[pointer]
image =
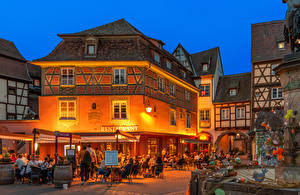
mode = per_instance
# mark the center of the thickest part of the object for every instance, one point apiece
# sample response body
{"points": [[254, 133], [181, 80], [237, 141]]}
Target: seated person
{"points": [[136, 167], [125, 173], [19, 164], [46, 170], [32, 163], [102, 171]]}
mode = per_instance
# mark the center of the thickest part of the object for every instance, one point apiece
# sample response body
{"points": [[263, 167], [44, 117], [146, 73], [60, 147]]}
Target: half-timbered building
{"points": [[232, 113], [207, 68], [268, 48], [114, 77], [14, 82]]}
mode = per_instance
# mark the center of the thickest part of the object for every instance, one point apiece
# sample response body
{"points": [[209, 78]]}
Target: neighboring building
{"points": [[207, 68], [268, 48], [34, 72], [102, 79], [14, 82], [232, 113]]}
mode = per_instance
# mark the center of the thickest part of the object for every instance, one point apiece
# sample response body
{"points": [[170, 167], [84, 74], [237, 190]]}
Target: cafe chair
{"points": [[35, 175]]}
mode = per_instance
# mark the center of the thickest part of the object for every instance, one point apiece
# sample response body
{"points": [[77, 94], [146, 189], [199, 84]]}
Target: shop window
{"points": [[161, 84], [120, 76], [240, 113], [204, 90], [67, 110], [153, 144], [188, 120], [67, 76], [204, 115], [276, 93], [173, 117], [120, 109], [225, 113]]}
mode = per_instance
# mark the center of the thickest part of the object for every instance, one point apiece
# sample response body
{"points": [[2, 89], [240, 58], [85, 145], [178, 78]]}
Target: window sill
{"points": [[280, 98], [67, 119], [119, 119], [67, 85], [119, 85], [90, 56]]}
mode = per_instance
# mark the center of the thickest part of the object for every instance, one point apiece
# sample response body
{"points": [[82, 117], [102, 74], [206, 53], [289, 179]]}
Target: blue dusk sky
{"points": [[196, 24]]}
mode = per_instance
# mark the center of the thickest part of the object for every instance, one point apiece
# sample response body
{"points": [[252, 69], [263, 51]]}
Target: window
{"points": [[187, 96], [240, 113], [281, 45], [204, 115], [232, 92], [188, 120], [169, 65], [153, 146], [119, 76], [172, 89], [276, 93], [11, 116], [11, 91], [120, 109], [205, 67], [204, 90], [67, 110], [156, 58], [272, 69], [181, 115], [160, 84], [36, 82], [67, 76], [183, 74], [225, 114], [91, 50], [173, 118]]}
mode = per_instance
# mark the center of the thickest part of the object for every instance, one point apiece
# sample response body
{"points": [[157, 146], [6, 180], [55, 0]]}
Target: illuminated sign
{"points": [[112, 128]]}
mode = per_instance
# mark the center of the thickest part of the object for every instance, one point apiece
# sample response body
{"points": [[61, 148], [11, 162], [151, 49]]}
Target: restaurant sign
{"points": [[113, 128]]}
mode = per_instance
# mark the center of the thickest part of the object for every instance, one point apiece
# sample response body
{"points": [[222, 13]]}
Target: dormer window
{"points": [[232, 92], [281, 45], [156, 58], [91, 50], [205, 67]]}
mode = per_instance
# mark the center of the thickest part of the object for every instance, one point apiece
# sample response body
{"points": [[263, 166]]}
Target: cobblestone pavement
{"points": [[173, 183]]}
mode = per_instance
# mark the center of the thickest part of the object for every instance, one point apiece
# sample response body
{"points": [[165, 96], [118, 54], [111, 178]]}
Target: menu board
{"points": [[111, 157]]}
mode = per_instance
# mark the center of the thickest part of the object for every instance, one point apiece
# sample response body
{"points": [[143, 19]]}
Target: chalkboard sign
{"points": [[111, 158]]}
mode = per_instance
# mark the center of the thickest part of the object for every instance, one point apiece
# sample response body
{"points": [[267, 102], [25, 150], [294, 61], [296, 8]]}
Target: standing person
{"points": [[93, 160], [82, 165], [19, 164]]}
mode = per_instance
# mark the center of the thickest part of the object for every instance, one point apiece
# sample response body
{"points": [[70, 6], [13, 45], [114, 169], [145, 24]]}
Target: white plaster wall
{"points": [[12, 99], [11, 108], [12, 83], [2, 112], [3, 90]]}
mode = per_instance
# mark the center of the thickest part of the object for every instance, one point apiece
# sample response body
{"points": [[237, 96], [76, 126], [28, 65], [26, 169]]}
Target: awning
{"points": [[46, 136], [194, 141], [15, 136], [88, 139]]}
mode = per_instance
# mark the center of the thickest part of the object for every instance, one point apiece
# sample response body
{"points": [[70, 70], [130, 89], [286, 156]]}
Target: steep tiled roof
{"points": [[209, 56], [9, 49], [119, 27], [241, 82], [265, 39], [34, 70]]}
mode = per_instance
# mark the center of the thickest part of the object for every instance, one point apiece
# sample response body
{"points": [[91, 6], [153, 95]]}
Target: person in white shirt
{"points": [[19, 162], [32, 162]]}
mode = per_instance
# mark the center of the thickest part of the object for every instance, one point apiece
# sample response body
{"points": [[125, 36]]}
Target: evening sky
{"points": [[196, 24]]}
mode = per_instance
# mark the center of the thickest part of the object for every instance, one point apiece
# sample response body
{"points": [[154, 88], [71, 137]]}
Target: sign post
{"points": [[111, 159]]}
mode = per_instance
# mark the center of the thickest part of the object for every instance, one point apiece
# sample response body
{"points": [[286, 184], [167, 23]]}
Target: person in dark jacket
{"points": [[127, 169], [159, 165], [85, 166]]}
